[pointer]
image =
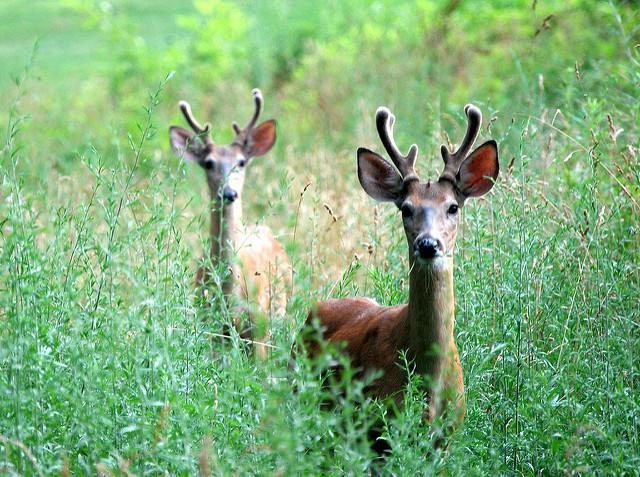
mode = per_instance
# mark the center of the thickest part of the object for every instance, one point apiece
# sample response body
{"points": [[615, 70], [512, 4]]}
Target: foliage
{"points": [[109, 363]]}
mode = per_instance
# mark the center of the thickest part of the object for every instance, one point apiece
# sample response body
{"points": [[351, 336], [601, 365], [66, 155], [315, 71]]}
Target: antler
{"points": [[404, 164], [243, 134], [201, 132], [453, 160]]}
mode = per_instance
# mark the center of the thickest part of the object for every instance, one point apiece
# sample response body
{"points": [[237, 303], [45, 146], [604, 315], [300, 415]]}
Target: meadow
{"points": [[111, 365]]}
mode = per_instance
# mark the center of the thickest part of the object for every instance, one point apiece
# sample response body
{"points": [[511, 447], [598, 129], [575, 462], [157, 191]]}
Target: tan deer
{"points": [[255, 269], [376, 336]]}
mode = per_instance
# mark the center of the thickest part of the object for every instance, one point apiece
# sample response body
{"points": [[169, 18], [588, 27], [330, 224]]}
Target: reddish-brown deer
{"points": [[375, 337], [255, 269]]}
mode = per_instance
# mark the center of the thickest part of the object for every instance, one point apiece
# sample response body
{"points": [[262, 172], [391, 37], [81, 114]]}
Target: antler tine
{"points": [[257, 98], [202, 132], [405, 164], [453, 160], [241, 134]]}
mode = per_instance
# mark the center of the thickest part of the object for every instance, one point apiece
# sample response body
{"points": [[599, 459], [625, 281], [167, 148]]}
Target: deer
{"points": [[377, 339], [253, 264]]}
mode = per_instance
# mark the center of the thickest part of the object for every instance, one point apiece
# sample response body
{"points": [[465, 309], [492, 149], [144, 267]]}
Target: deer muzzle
{"points": [[229, 194], [427, 248]]}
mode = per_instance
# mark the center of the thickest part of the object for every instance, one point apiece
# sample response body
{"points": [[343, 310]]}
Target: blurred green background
{"points": [[107, 361]]}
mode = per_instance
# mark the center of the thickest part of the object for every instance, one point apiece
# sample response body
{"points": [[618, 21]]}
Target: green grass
{"points": [[109, 364], [67, 46]]}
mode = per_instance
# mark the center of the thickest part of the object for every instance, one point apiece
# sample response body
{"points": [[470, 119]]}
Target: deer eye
{"points": [[208, 164], [242, 163], [453, 209], [407, 210]]}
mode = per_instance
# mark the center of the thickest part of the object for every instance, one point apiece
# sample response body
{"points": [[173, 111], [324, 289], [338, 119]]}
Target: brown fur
{"points": [[375, 337], [255, 268], [260, 276]]}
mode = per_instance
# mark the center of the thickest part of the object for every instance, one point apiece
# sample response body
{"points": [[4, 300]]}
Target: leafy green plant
{"points": [[110, 364]]}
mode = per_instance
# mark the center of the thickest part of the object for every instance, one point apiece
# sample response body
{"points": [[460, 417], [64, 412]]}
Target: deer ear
{"points": [[377, 177], [261, 139], [479, 171], [184, 144]]}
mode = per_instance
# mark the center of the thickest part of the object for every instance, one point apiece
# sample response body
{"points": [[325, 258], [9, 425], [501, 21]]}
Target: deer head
{"points": [[429, 210], [224, 165]]}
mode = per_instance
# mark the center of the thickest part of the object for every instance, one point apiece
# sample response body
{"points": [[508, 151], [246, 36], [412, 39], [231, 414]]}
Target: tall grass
{"points": [[109, 364]]}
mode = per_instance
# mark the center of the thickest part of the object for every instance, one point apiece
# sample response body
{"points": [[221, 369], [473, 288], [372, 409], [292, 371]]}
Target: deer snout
{"points": [[427, 248], [229, 194]]}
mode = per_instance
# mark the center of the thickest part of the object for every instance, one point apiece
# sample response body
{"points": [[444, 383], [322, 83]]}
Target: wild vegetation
{"points": [[110, 363]]}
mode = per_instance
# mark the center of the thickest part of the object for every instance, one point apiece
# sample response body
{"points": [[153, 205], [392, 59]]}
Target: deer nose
{"points": [[228, 194], [427, 248]]}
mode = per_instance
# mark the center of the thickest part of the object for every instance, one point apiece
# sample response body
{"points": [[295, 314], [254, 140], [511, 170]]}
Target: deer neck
{"points": [[225, 228], [431, 315]]}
